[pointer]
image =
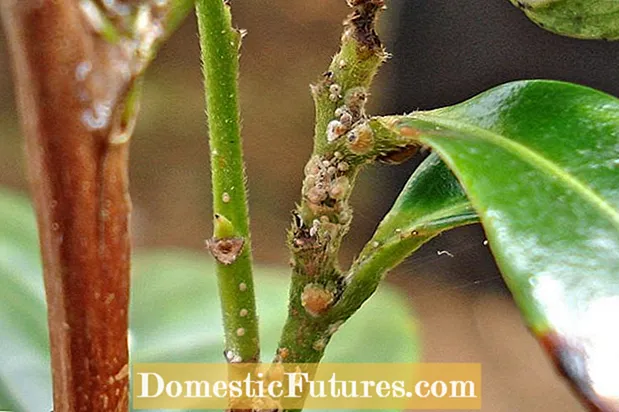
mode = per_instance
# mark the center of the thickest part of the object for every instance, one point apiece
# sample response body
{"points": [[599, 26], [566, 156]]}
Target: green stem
{"points": [[322, 296], [231, 242], [324, 214]]}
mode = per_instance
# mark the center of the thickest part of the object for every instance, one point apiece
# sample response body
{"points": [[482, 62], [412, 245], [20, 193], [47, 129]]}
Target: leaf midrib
{"points": [[528, 156], [458, 209]]}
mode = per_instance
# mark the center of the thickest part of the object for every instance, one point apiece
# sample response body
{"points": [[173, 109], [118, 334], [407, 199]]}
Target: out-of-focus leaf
{"points": [[585, 19], [175, 314], [25, 377], [539, 161]]}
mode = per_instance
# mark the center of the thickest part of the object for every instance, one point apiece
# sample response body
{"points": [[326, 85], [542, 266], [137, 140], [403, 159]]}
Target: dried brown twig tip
{"points": [[362, 21]]}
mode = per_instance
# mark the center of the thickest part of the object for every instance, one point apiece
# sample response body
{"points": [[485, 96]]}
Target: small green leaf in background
{"points": [[539, 161], [175, 314], [585, 19], [431, 202]]}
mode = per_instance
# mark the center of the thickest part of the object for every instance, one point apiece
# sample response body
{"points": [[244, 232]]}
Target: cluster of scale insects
{"points": [[327, 184]]}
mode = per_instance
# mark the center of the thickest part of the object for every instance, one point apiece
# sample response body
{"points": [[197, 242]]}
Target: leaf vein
{"points": [[529, 156]]}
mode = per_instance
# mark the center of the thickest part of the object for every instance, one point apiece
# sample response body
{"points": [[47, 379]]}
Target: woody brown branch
{"points": [[79, 183]]}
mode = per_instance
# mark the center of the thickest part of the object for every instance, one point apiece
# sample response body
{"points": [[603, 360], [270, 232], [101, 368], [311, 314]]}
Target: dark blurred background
{"points": [[444, 51]]}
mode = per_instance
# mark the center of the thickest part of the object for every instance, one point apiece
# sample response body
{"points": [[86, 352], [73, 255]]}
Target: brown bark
{"points": [[70, 88]]}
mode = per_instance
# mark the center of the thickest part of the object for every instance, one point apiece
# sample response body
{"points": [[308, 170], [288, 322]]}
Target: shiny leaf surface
{"points": [[539, 161]]}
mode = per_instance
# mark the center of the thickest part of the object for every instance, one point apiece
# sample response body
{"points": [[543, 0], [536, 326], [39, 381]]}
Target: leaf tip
{"points": [[574, 363]]}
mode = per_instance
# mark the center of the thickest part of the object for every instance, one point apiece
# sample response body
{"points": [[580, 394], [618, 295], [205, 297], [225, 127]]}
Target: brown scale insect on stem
{"points": [[225, 250]]}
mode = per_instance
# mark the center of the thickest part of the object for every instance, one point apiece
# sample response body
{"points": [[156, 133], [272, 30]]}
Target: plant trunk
{"points": [[71, 102]]}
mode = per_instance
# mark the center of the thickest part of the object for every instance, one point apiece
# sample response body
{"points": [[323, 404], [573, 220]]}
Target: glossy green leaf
{"points": [[175, 314], [539, 161], [585, 19]]}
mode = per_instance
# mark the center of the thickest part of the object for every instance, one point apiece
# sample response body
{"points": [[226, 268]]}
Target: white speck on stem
{"points": [[225, 197], [242, 287], [98, 116], [335, 129], [143, 19], [335, 89], [243, 313], [343, 167], [314, 229], [240, 332]]}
